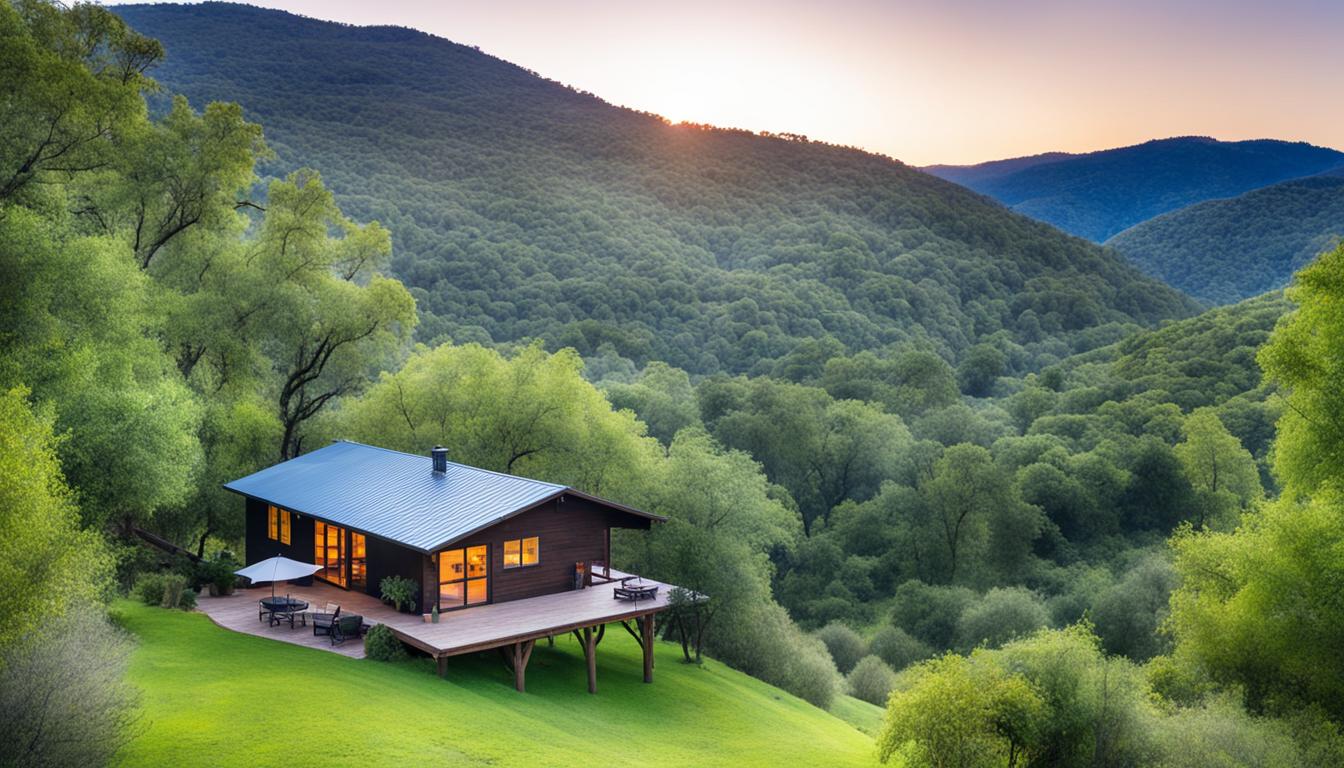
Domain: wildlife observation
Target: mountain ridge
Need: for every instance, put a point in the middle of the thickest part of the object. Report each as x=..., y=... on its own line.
x=524, y=209
x=1098, y=194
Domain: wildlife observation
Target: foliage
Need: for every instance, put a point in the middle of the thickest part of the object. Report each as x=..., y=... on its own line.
x=1128, y=615
x=898, y=648
x=398, y=591
x=192, y=708
x=844, y=644
x=1303, y=358
x=63, y=693
x=712, y=250
x=951, y=712
x=1097, y=194
x=166, y=590
x=1223, y=251
x=380, y=644
x=1003, y=614
x=1222, y=472
x=871, y=680
x=47, y=564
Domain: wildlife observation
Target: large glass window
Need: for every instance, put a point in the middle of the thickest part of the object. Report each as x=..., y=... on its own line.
x=464, y=577
x=329, y=552
x=277, y=524
x=521, y=552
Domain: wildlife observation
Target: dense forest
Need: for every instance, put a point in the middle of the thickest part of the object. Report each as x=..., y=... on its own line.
x=1098, y=194
x=1227, y=250
x=522, y=209
x=1084, y=548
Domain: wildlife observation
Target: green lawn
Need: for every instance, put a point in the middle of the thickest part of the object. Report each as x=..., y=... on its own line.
x=211, y=696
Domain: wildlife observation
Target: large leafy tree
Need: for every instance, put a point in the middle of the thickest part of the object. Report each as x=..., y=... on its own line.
x=1222, y=472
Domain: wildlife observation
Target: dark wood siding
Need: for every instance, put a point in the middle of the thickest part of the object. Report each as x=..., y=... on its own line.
x=571, y=530
x=389, y=559
x=258, y=545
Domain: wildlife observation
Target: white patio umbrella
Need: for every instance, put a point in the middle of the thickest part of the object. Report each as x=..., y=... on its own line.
x=278, y=568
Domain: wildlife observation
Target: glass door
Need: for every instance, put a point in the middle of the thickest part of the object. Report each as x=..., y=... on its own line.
x=359, y=561
x=329, y=552
x=464, y=577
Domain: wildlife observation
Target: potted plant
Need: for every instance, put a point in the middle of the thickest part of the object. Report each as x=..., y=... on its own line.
x=218, y=575
x=399, y=591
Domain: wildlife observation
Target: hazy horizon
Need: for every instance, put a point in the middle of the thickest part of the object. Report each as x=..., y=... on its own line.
x=926, y=82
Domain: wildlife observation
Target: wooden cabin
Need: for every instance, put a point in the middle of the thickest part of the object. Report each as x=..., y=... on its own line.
x=465, y=536
x=506, y=560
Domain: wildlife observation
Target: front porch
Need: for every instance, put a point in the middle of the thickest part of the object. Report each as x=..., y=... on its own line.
x=513, y=627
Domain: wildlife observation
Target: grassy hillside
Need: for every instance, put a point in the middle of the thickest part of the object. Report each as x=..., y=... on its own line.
x=216, y=697
x=1098, y=194
x=1227, y=250
x=522, y=208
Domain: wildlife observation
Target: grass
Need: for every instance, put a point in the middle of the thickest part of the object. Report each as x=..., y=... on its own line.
x=211, y=696
x=858, y=713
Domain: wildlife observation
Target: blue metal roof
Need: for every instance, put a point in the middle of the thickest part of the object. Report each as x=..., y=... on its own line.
x=396, y=495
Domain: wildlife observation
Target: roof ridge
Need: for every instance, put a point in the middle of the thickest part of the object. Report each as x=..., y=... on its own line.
x=560, y=486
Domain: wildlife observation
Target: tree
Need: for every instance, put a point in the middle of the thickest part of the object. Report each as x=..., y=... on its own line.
x=844, y=644
x=1303, y=358
x=73, y=79
x=954, y=712
x=981, y=366
x=662, y=397
x=1223, y=473
x=47, y=564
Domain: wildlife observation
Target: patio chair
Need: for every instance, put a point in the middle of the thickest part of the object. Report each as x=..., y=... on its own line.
x=345, y=628
x=324, y=622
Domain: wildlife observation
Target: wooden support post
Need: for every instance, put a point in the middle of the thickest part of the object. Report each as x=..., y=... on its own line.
x=522, y=651
x=606, y=554
x=590, y=653
x=646, y=629
x=442, y=662
x=601, y=632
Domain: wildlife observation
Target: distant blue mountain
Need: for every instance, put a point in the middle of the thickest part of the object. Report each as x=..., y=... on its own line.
x=1098, y=194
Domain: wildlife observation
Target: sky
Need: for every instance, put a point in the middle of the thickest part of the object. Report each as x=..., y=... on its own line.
x=925, y=81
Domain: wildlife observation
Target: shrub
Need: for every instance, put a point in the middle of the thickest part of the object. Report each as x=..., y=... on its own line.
x=63, y=693
x=218, y=573
x=898, y=648
x=844, y=644
x=381, y=645
x=166, y=590
x=1001, y=615
x=930, y=613
x=767, y=645
x=399, y=591
x=871, y=680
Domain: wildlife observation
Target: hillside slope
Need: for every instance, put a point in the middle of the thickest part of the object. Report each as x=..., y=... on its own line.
x=1098, y=194
x=1226, y=250
x=211, y=696
x=525, y=209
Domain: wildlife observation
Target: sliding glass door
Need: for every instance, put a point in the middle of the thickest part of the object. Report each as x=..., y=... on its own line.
x=329, y=552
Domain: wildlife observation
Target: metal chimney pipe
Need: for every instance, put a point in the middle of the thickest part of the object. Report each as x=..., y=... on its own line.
x=440, y=456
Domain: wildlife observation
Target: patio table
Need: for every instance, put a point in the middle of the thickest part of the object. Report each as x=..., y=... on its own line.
x=282, y=608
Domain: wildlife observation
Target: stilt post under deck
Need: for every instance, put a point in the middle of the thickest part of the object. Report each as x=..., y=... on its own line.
x=522, y=651
x=646, y=635
x=442, y=662
x=590, y=654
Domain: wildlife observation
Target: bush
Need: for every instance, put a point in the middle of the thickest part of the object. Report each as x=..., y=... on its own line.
x=1003, y=614
x=766, y=644
x=871, y=680
x=898, y=648
x=399, y=591
x=930, y=613
x=64, y=695
x=381, y=645
x=218, y=573
x=844, y=644
x=166, y=590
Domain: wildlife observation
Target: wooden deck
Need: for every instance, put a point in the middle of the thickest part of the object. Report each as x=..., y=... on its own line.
x=512, y=626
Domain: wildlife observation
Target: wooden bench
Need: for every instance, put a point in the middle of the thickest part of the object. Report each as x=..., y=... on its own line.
x=634, y=592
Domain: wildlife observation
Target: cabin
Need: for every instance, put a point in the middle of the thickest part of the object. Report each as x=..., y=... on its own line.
x=505, y=560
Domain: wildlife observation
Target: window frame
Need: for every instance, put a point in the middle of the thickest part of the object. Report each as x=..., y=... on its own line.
x=279, y=524
x=465, y=582
x=521, y=549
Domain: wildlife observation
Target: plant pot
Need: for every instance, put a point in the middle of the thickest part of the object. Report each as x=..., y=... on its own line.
x=429, y=618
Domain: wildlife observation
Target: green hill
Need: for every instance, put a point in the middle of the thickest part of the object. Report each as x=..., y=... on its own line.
x=215, y=697
x=1098, y=194
x=524, y=209
x=1226, y=250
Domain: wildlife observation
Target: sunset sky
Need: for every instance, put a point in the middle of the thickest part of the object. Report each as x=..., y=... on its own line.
x=925, y=81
